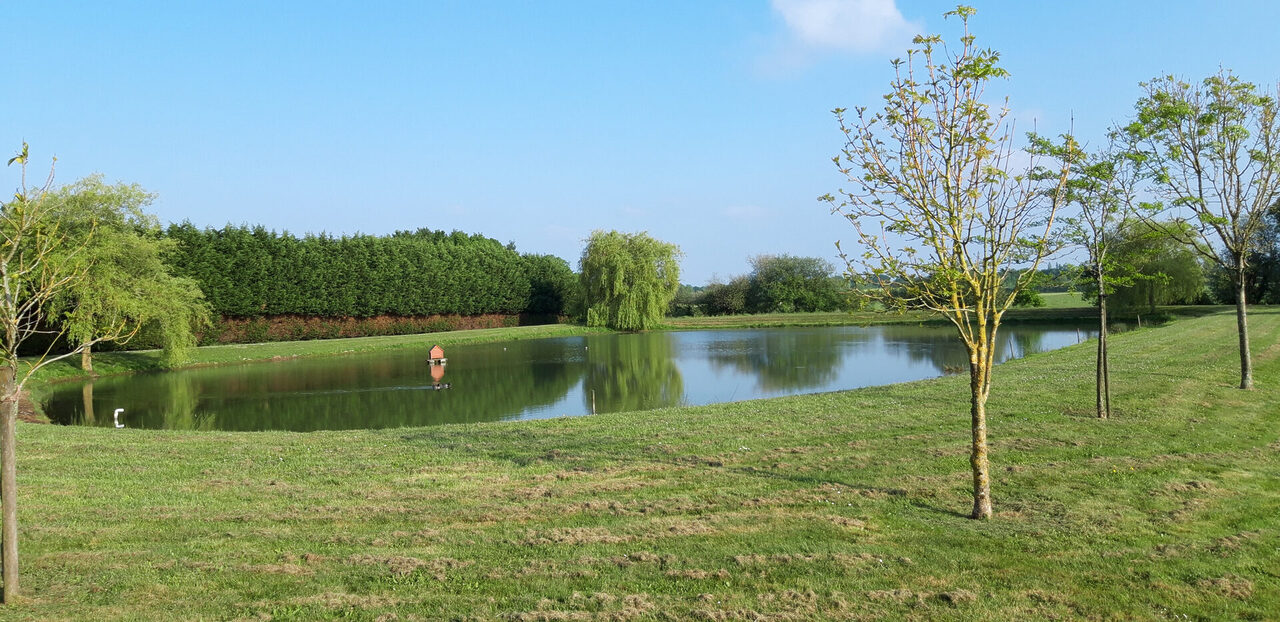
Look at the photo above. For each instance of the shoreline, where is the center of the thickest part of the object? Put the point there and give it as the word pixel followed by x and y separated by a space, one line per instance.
pixel 117 363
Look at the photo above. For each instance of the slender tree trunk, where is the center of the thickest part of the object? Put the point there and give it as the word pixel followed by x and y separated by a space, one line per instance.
pixel 1242 322
pixel 9 486
pixel 86 359
pixel 1104 376
pixel 979 370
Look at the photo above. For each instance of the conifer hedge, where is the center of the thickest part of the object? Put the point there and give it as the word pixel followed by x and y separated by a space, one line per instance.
pixel 253 272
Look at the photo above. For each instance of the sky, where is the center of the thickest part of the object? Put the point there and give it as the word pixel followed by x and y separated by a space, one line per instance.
pixel 707 124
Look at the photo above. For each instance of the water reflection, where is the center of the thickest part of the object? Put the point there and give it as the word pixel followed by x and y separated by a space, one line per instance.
pixel 941 347
pixel 333 394
pixel 786 360
pixel 539 378
pixel 632 372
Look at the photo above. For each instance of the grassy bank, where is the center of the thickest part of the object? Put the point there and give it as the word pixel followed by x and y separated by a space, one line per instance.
pixel 1065 307
pixel 110 363
pixel 844 505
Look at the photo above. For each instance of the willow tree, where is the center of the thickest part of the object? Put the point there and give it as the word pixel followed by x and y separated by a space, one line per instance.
pixel 628 279
pixel 1212 153
pixel 39 263
pixel 127 280
pixel 948 212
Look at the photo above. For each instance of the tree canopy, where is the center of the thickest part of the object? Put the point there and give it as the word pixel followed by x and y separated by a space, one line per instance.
pixel 1211 152
pixel 251 271
pixel 628 279
pixel 127 280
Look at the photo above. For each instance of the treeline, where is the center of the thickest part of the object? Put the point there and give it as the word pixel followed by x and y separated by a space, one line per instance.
pixel 776 284
pixel 253 272
pixel 1161 269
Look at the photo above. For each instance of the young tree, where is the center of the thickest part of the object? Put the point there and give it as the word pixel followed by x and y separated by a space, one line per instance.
pixel 942 216
pixel 127 279
pixel 1212 153
pixel 1101 186
pixel 628 279
pixel 39 263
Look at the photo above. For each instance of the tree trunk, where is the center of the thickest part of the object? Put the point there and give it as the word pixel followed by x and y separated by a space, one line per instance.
pixel 1104 375
pixel 86 359
pixel 1242 322
pixel 979 370
pixel 9 486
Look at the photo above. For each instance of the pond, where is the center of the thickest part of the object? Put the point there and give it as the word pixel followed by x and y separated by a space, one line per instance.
pixel 533 379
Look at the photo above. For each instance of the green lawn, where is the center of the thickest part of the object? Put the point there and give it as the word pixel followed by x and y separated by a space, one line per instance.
pixel 1063 300
pixel 834 506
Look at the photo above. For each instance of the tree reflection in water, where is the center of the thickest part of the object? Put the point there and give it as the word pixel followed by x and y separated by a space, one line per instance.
pixel 787 360
pixel 632 372
pixel 330 394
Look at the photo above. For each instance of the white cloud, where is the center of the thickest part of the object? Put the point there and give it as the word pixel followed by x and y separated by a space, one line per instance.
pixel 860 26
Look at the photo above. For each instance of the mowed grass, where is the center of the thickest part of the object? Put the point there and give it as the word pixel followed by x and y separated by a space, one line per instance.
pixel 843 505
pixel 1063 300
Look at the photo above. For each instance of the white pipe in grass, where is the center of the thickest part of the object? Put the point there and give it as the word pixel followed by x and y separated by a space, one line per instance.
pixel 116 417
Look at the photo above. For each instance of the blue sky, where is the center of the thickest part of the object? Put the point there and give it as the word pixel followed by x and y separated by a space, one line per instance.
pixel 705 123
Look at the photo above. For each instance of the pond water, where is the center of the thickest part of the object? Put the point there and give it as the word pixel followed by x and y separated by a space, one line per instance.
pixel 534 379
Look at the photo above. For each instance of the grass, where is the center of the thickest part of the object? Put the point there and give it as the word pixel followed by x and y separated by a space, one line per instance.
pixel 1063 307
pixel 843 505
pixel 111 363
pixel 1063 300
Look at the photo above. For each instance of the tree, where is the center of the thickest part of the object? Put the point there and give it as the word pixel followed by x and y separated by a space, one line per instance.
pixel 942 216
pixel 1212 154
pixel 127 280
pixel 786 284
pixel 1101 186
pixel 727 298
pixel 1161 269
pixel 628 279
pixel 39 263
pixel 552 284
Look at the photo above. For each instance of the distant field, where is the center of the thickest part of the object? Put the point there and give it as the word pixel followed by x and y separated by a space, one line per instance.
pixel 1063 300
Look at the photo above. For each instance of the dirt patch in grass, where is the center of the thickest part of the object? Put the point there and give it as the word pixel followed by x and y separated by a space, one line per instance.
pixel 342 600
pixel 958 597
pixel 1192 486
pixel 641 557
pixel 27 410
pixel 574 535
pixel 400 565
pixel 1230 586
pixel 897 596
pixel 598 606
pixel 1229 544
pixel 698 574
pixel 286 568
